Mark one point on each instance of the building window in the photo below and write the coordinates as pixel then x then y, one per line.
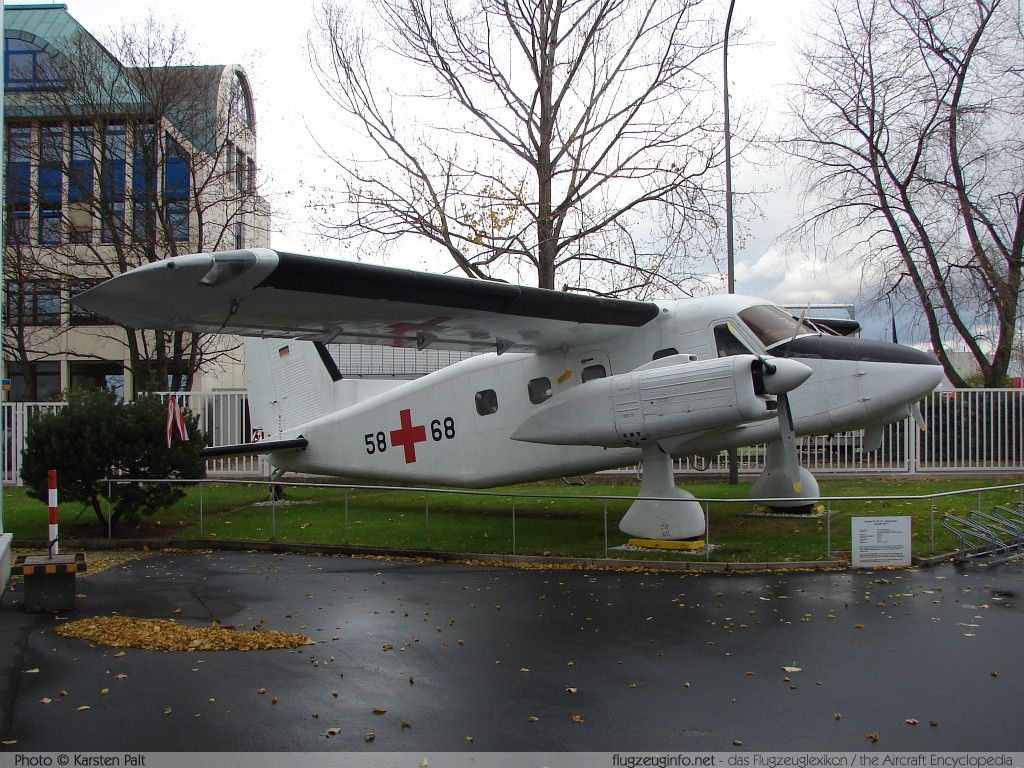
pixel 539 389
pixel 593 372
pixel 27 67
pixel 144 177
pixel 239 235
pixel 97 374
pixel 176 188
pixel 81 185
pixel 240 104
pixel 251 181
pixel 19 183
pixel 112 182
pixel 42 382
pixel 51 179
pixel 240 167
pixel 33 302
pixel 486 402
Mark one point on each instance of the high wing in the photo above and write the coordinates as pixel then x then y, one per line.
pixel 261 292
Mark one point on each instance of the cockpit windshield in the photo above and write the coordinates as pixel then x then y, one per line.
pixel 772 324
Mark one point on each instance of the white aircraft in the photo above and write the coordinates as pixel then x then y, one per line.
pixel 573 383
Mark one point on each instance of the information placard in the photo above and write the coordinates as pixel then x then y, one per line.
pixel 880 541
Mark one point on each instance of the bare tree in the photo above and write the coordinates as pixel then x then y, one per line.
pixel 907 122
pixel 572 142
pixel 136 157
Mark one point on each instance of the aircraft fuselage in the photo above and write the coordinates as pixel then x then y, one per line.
pixel 456 425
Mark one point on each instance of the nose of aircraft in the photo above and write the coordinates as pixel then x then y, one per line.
pixel 918 372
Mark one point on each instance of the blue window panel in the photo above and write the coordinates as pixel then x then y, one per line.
pixel 176 180
pixel 19 166
pixel 19 184
pixel 80 181
pixel 114 162
pixel 112 224
pixel 18 227
pixel 144 164
pixel 27 67
pixel 49 186
pixel 113 179
pixel 112 182
pixel 177 220
pixel 49 227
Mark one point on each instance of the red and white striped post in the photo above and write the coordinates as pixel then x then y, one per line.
pixel 51 483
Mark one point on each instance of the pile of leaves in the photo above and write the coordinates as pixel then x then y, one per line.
pixel 169 635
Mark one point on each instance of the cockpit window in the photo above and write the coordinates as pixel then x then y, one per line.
pixel 773 324
pixel 726 342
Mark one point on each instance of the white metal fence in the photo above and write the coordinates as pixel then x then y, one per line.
pixel 969 430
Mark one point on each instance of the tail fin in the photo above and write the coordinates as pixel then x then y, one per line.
pixel 288 385
pixel 293 382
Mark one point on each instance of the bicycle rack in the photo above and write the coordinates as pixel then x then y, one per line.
pixel 989 537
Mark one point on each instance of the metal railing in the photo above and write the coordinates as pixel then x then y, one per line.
pixel 969 430
pixel 873 507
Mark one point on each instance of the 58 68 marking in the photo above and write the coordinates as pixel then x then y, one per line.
pixel 409 435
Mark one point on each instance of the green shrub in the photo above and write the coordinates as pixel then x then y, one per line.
pixel 95 437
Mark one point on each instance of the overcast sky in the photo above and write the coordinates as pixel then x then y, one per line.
pixel 269 40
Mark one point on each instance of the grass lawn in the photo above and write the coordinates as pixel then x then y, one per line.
pixel 563 520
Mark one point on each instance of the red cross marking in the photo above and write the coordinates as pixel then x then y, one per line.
pixel 408 436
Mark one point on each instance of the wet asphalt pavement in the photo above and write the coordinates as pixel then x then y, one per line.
pixel 461 658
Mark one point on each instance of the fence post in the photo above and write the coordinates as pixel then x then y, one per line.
pixel 110 510
pixel 707 531
pixel 273 514
pixel 346 517
pixel 828 528
pixel 201 532
pixel 606 529
pixel 51 493
pixel 931 504
pixel 426 513
pixel 513 525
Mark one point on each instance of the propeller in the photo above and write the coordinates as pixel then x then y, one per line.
pixel 779 376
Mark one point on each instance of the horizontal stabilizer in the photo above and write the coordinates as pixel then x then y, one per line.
pixel 264 446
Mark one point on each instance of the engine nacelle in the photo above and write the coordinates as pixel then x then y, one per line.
pixel 655 402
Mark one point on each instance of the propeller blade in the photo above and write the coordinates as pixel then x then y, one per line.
pixel 796 329
pixel 915 412
pixel 788 435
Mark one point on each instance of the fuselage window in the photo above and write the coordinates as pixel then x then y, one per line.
pixel 593 372
pixel 486 402
pixel 668 352
pixel 539 389
pixel 727 343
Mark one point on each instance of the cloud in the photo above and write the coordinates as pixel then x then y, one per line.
pixel 798 278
